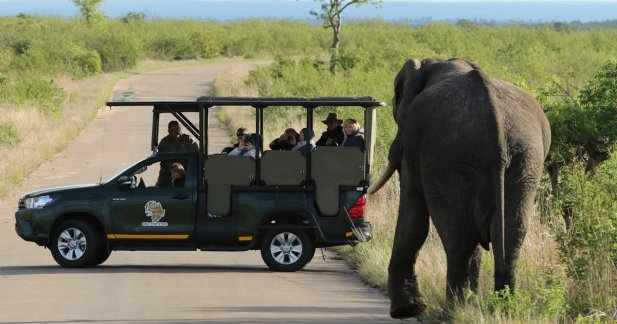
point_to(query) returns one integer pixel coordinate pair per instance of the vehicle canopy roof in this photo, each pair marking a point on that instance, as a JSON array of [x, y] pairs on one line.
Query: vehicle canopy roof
[[203, 104]]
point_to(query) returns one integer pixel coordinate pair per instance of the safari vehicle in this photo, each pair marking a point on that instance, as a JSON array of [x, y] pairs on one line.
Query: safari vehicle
[[282, 202]]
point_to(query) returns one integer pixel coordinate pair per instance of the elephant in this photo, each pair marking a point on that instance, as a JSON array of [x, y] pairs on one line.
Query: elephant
[[470, 151]]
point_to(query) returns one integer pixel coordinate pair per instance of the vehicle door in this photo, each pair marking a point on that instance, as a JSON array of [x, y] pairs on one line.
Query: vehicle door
[[147, 206]]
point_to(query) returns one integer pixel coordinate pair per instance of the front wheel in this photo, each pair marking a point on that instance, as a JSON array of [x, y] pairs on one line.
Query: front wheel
[[287, 250], [75, 244]]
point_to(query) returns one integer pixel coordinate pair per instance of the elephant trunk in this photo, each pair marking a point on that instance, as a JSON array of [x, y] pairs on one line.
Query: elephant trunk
[[383, 178]]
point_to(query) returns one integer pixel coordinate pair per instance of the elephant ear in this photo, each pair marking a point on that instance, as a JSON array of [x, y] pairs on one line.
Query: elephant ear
[[407, 85]]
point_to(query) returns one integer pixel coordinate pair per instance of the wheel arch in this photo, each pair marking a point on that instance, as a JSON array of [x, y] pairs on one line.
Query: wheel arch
[[292, 219]]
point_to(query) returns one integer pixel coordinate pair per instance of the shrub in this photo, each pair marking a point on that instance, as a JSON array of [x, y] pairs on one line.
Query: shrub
[[588, 247], [174, 47], [44, 93], [86, 62], [117, 50], [132, 17], [8, 135], [204, 43]]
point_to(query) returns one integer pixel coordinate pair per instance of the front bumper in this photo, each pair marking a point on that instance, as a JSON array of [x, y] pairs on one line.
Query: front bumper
[[29, 228]]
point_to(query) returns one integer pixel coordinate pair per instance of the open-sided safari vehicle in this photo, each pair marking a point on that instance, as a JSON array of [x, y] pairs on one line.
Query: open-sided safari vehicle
[[282, 202]]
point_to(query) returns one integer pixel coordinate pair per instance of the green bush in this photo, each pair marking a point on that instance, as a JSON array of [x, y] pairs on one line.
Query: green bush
[[8, 135], [174, 47], [43, 93], [117, 50], [588, 245], [204, 43]]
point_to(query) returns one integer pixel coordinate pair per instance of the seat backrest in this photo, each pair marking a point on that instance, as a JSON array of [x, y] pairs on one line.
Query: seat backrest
[[221, 172], [283, 167], [332, 167]]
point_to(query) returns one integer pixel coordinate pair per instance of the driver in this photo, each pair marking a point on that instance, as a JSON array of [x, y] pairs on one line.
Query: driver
[[175, 141]]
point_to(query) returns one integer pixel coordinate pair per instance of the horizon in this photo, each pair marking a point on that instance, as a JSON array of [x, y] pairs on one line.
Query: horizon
[[499, 11]]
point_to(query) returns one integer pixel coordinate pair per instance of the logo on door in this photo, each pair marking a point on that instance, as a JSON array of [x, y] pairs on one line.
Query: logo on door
[[155, 211]]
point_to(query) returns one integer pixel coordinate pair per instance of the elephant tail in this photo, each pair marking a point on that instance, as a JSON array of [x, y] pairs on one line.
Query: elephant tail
[[497, 127], [498, 223]]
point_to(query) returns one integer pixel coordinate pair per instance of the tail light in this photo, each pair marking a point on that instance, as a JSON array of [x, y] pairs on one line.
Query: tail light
[[357, 209]]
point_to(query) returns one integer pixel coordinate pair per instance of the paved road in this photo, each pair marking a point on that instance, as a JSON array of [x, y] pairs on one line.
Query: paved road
[[162, 287]]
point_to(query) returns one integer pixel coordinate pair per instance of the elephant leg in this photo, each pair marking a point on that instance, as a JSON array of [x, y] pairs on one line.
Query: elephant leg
[[411, 232], [474, 269], [459, 254], [520, 192]]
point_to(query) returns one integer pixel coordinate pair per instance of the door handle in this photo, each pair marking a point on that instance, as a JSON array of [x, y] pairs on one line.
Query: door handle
[[180, 196]]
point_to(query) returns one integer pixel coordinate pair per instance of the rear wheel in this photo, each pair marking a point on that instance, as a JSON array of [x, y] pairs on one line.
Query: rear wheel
[[76, 244], [286, 249]]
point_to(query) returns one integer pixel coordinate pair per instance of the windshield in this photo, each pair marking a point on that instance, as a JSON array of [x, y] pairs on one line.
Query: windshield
[[123, 171]]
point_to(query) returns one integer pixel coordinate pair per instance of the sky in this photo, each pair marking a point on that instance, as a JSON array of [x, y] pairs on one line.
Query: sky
[[525, 11]]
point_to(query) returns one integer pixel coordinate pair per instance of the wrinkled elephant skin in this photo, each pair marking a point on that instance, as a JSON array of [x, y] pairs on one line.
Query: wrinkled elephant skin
[[470, 151]]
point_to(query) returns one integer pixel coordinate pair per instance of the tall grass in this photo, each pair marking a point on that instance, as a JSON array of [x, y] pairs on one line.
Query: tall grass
[[40, 136]]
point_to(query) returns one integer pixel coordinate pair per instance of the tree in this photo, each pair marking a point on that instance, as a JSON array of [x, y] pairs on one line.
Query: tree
[[331, 15], [133, 17], [585, 128], [90, 10]]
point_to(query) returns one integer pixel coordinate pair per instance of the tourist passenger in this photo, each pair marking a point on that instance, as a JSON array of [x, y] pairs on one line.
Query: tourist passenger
[[177, 175], [306, 142], [246, 147], [333, 136], [354, 134], [239, 133], [286, 141]]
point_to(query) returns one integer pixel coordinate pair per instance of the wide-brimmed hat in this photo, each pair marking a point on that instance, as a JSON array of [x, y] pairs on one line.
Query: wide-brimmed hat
[[332, 117]]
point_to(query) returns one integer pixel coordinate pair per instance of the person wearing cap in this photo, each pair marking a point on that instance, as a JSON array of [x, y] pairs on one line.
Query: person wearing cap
[[246, 147], [354, 134], [306, 142], [333, 136]]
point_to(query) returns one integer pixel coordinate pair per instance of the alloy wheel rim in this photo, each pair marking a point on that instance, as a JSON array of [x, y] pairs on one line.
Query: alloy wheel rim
[[286, 248], [72, 244]]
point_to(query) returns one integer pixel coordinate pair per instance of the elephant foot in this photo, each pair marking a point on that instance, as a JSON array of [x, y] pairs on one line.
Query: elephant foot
[[413, 309]]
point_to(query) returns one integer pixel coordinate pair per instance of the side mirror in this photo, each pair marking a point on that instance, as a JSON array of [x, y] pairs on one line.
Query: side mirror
[[124, 182]]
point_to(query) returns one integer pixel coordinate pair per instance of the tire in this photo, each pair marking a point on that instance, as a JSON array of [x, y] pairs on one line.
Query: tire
[[103, 256], [286, 249], [76, 244]]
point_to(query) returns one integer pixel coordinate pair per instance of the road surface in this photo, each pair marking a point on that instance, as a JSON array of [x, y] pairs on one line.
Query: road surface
[[162, 287]]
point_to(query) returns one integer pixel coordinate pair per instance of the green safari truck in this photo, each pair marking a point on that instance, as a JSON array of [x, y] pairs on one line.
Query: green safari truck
[[283, 203]]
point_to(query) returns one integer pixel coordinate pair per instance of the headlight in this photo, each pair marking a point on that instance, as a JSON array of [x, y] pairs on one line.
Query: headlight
[[38, 202]]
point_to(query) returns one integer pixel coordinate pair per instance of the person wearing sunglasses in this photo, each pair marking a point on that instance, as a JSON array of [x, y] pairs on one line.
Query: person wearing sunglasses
[[239, 134]]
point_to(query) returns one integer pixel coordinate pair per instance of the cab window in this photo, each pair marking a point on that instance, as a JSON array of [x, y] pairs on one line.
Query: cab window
[[164, 173]]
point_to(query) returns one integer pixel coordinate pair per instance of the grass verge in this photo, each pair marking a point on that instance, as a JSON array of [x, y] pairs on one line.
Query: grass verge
[[32, 136]]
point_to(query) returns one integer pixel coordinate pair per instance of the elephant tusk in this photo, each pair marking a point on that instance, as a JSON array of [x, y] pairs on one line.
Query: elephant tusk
[[383, 178]]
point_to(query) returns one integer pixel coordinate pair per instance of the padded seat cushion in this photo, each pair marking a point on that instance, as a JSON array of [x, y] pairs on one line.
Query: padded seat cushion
[[222, 172], [283, 167], [331, 168]]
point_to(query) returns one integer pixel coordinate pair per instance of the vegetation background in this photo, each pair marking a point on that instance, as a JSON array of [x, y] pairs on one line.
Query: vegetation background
[[55, 73]]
